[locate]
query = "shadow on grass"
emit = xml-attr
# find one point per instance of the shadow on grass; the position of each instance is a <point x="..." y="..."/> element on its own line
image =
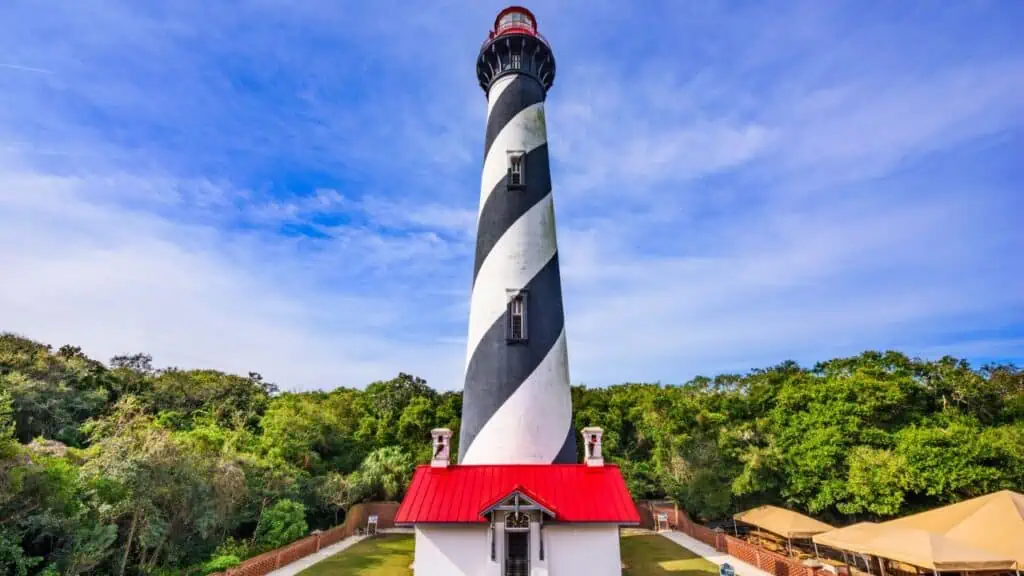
<point x="384" y="555"/>
<point x="645" y="554"/>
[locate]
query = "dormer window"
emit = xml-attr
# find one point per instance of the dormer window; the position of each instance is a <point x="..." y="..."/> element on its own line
<point x="516" y="169"/>
<point x="516" y="328"/>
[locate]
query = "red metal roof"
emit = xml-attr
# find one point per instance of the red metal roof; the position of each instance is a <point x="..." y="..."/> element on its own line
<point x="573" y="492"/>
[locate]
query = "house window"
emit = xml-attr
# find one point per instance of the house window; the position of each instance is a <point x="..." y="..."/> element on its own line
<point x="516" y="61"/>
<point x="517" y="317"/>
<point x="516" y="169"/>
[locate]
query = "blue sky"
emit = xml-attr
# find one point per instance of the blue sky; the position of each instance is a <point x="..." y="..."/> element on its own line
<point x="291" y="187"/>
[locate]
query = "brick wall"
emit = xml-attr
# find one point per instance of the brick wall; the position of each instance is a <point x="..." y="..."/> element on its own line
<point x="355" y="520"/>
<point x="358" y="515"/>
<point x="649" y="509"/>
<point x="643" y="509"/>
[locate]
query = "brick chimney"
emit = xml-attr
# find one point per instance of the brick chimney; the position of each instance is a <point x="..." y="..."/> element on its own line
<point x="592" y="446"/>
<point x="442" y="447"/>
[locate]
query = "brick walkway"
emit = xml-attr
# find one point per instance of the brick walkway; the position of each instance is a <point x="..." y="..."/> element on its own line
<point x="712" y="555"/>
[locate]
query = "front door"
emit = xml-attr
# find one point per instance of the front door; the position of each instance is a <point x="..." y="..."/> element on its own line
<point x="517" y="553"/>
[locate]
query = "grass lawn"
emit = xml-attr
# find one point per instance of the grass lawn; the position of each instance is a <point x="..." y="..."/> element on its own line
<point x="643" y="553"/>
<point x="384" y="555"/>
<point x="647" y="554"/>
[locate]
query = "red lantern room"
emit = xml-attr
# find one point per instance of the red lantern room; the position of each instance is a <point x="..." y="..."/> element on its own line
<point x="514" y="46"/>
<point x="514" y="20"/>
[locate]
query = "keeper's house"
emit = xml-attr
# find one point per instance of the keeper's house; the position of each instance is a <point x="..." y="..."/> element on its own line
<point x="517" y="519"/>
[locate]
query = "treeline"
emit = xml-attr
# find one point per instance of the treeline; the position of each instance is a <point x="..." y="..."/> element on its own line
<point x="122" y="468"/>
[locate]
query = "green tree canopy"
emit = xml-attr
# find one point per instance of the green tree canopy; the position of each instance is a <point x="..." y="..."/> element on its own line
<point x="130" y="469"/>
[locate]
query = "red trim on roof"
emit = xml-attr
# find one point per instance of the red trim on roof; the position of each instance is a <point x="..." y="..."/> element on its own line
<point x="573" y="492"/>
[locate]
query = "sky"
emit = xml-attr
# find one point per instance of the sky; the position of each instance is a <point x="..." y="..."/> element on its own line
<point x="290" y="187"/>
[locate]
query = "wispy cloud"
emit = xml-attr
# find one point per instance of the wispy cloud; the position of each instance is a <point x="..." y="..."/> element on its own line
<point x="24" y="68"/>
<point x="292" y="188"/>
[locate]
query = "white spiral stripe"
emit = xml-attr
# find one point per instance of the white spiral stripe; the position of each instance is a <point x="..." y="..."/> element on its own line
<point x="520" y="253"/>
<point x="524" y="132"/>
<point x="531" y="425"/>
<point x="497" y="88"/>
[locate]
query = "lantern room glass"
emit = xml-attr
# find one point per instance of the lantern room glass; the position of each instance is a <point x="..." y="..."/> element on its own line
<point x="515" y="19"/>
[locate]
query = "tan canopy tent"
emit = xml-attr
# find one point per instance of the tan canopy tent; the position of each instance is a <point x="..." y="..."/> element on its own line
<point x="994" y="522"/>
<point x="782" y="522"/>
<point x="847" y="538"/>
<point x="930" y="550"/>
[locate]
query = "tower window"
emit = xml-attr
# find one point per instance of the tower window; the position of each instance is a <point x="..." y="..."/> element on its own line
<point x="516" y="169"/>
<point x="516" y="62"/>
<point x="516" y="328"/>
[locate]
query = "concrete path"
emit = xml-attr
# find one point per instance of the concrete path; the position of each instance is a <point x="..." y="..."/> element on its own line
<point x="324" y="553"/>
<point x="712" y="555"/>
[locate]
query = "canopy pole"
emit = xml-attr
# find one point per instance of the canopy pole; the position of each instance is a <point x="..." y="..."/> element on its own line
<point x="847" y="562"/>
<point x="736" y="531"/>
<point x="815" y="549"/>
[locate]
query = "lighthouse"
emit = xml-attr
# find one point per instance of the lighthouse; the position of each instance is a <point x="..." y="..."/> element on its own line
<point x="517" y="406"/>
<point x="518" y="501"/>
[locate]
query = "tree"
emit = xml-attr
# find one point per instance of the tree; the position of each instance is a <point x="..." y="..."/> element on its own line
<point x="91" y="545"/>
<point x="13" y="560"/>
<point x="878" y="482"/>
<point x="281" y="524"/>
<point x="136" y="470"/>
<point x="334" y="491"/>
<point x="384" y="475"/>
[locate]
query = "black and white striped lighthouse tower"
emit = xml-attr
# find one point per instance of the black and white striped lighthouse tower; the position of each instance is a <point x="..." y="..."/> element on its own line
<point x="517" y="407"/>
